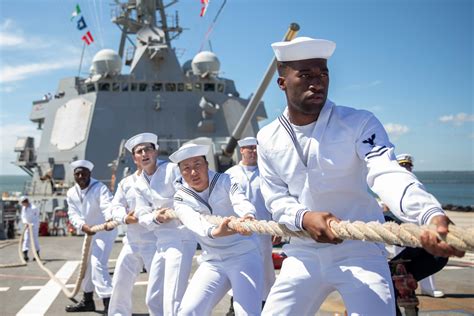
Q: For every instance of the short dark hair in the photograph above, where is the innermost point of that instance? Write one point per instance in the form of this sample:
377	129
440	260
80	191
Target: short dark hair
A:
281	67
133	149
204	157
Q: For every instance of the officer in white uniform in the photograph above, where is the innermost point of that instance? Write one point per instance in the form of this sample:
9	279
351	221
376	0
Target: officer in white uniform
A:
229	262
29	215
89	204
316	158
246	173
175	245
139	244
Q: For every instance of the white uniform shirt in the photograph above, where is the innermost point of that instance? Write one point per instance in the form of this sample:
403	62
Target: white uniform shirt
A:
30	214
124	201
90	206
154	192
248	177
349	149
225	199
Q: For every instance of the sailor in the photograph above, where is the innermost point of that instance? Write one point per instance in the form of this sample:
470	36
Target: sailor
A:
229	260
29	215
175	245
88	205
247	175
139	244
317	158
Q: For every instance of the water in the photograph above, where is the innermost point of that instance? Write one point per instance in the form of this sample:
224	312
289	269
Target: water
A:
13	183
449	187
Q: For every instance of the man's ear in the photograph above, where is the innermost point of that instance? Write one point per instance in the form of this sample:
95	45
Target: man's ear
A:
281	83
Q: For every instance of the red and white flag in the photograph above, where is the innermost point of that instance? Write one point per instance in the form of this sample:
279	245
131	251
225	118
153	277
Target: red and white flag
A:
204	3
88	38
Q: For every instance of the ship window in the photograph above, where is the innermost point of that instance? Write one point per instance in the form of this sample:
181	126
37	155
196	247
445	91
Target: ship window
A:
220	87
90	87
104	86
209	87
142	87
133	86
197	86
115	86
170	86
125	86
180	87
157	87
189	86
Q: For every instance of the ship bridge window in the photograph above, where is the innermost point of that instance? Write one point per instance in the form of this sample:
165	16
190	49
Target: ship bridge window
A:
157	87
220	87
133	86
180	87
125	86
115	86
104	86
209	87
197	86
142	87
188	86
170	86
90	87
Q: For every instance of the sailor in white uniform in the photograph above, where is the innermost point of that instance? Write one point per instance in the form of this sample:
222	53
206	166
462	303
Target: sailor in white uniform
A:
140	243
29	215
88	205
229	260
247	175
175	245
316	158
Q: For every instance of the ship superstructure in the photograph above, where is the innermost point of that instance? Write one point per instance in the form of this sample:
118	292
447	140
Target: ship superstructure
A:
89	118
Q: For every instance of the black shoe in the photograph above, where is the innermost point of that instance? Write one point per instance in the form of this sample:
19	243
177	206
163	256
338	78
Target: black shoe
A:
25	255
106	305
38	253
85	305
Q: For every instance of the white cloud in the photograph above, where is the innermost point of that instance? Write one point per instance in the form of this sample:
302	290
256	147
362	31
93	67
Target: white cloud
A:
396	130
457	119
365	85
15	73
10	39
6	89
7	24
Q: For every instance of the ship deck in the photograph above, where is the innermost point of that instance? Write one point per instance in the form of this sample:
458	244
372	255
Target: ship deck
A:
29	291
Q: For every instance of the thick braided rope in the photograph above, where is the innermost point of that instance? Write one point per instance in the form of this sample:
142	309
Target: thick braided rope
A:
82	268
22	262
84	257
390	233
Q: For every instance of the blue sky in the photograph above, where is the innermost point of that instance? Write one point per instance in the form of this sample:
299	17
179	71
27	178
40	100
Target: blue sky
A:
408	61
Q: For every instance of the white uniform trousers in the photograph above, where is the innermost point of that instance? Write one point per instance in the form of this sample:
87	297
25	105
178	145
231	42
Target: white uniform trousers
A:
214	278
358	271
129	265
97	274
266	248
26	238
168	276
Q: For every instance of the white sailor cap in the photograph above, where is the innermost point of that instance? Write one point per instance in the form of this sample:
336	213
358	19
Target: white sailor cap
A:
140	139
247	141
302	48
23	198
187	151
82	163
405	158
